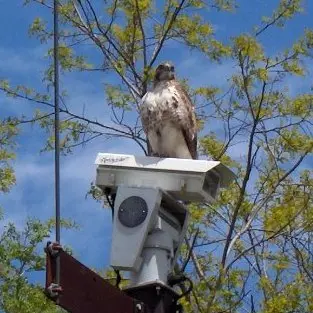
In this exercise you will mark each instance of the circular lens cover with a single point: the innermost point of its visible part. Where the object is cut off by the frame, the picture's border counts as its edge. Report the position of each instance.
(132, 211)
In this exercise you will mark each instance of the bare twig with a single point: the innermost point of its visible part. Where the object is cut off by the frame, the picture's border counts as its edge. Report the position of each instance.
(163, 37)
(274, 20)
(114, 132)
(190, 249)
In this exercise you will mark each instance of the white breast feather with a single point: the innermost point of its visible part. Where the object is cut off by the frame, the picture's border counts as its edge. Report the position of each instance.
(167, 139)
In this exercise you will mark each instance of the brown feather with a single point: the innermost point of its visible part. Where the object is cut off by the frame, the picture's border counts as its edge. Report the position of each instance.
(190, 133)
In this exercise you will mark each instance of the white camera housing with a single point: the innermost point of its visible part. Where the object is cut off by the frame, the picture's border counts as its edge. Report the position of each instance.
(127, 242)
(150, 219)
(184, 179)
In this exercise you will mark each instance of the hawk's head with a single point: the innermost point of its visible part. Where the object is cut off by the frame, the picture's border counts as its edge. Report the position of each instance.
(165, 71)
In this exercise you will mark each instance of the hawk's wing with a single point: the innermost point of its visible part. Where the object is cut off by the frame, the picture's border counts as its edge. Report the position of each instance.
(186, 117)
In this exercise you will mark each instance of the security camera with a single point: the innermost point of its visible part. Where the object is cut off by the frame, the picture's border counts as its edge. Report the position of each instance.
(150, 218)
(184, 179)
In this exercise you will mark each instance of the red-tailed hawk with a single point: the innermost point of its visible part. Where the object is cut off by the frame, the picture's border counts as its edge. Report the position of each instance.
(168, 117)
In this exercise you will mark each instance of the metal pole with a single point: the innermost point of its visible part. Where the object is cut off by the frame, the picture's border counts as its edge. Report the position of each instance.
(56, 133)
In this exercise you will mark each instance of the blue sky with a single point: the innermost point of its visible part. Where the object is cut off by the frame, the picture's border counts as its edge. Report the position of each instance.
(22, 61)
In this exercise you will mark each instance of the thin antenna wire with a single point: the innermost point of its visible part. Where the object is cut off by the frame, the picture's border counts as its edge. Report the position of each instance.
(56, 132)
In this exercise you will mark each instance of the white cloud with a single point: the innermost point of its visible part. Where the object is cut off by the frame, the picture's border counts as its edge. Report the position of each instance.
(201, 71)
(31, 169)
(21, 61)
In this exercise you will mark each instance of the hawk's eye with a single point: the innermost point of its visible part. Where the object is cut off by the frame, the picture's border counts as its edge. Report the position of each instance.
(172, 68)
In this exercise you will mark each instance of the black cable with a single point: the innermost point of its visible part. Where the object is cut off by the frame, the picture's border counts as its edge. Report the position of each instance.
(111, 199)
(179, 279)
(118, 278)
(110, 204)
(56, 131)
(188, 291)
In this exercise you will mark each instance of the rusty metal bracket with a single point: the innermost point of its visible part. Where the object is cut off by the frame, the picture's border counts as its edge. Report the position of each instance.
(54, 290)
(81, 290)
(53, 248)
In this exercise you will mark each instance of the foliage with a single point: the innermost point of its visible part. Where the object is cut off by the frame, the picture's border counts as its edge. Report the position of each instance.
(8, 131)
(251, 251)
(19, 258)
